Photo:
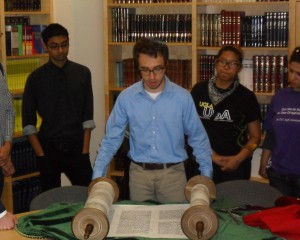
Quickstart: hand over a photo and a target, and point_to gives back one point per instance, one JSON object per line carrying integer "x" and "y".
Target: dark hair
{"x": 150, "y": 46}
{"x": 54, "y": 30}
{"x": 295, "y": 57}
{"x": 233, "y": 49}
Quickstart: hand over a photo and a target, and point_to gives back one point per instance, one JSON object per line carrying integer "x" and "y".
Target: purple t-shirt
{"x": 283, "y": 119}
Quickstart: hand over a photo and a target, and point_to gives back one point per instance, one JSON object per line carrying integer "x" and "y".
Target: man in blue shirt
{"x": 159, "y": 115}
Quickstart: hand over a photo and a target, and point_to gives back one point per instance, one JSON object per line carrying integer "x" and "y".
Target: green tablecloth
{"x": 55, "y": 222}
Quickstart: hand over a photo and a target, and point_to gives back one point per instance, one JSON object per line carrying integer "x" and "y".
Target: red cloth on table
{"x": 283, "y": 221}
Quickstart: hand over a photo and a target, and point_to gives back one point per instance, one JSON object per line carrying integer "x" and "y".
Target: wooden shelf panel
{"x": 22, "y": 177}
{"x": 27, "y": 56}
{"x": 136, "y": 5}
{"x": 283, "y": 49}
{"x": 202, "y": 3}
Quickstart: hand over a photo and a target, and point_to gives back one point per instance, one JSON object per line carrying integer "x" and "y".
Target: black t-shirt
{"x": 226, "y": 123}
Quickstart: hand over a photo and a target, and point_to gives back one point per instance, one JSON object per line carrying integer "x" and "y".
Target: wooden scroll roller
{"x": 199, "y": 221}
{"x": 92, "y": 221}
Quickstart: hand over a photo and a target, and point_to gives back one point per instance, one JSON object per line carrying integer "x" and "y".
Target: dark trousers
{"x": 288, "y": 185}
{"x": 76, "y": 166}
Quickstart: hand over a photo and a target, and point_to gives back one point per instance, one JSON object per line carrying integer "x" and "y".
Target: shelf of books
{"x": 21, "y": 52}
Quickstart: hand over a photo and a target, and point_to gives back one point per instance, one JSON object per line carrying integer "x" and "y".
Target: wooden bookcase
{"x": 114, "y": 51}
{"x": 297, "y": 20}
{"x": 43, "y": 16}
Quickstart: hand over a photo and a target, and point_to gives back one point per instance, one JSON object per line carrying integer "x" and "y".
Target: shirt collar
{"x": 54, "y": 67}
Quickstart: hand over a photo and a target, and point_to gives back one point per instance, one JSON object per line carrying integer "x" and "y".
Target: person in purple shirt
{"x": 159, "y": 115}
{"x": 280, "y": 160}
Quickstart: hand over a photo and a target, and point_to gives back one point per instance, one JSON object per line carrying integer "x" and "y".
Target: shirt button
{"x": 154, "y": 147}
{"x": 153, "y": 117}
{"x": 153, "y": 132}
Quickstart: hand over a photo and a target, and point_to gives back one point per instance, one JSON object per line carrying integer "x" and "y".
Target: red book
{"x": 28, "y": 42}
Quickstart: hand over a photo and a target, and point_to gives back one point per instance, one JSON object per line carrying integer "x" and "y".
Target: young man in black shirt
{"x": 60, "y": 91}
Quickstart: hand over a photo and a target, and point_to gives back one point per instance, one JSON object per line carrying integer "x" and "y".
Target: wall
{"x": 83, "y": 19}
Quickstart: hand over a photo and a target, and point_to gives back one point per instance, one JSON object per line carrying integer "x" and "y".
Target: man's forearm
{"x": 36, "y": 145}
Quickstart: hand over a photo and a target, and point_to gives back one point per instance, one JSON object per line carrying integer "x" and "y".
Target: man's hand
{"x": 231, "y": 163}
{"x": 226, "y": 163}
{"x": 8, "y": 221}
{"x": 4, "y": 153}
{"x": 8, "y": 169}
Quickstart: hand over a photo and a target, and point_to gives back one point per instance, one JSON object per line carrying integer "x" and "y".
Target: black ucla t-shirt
{"x": 226, "y": 123}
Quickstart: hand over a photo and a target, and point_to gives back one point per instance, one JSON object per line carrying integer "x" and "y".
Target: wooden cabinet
{"x": 297, "y": 20}
{"x": 119, "y": 50}
{"x": 41, "y": 16}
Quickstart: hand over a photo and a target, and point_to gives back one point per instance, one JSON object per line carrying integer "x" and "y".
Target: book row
{"x": 182, "y": 1}
{"x": 126, "y": 74}
{"x": 263, "y": 111}
{"x": 15, "y": 20}
{"x": 234, "y": 28}
{"x": 261, "y": 74}
{"x": 22, "y": 5}
{"x": 150, "y": 1}
{"x": 18, "y": 71}
{"x": 178, "y": 70}
{"x": 23, "y": 157}
{"x": 23, "y": 193}
{"x": 17, "y": 103}
{"x": 128, "y": 26}
{"x": 24, "y": 39}
{"x": 244, "y": 1}
{"x": 270, "y": 73}
{"x": 206, "y": 67}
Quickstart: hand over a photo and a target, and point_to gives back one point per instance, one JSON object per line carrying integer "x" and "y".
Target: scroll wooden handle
{"x": 199, "y": 229}
{"x": 88, "y": 230}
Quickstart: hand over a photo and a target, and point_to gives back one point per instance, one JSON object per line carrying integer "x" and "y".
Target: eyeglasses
{"x": 230, "y": 64}
{"x": 156, "y": 70}
{"x": 56, "y": 47}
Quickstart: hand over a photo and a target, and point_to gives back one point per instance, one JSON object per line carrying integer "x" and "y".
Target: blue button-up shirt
{"x": 157, "y": 129}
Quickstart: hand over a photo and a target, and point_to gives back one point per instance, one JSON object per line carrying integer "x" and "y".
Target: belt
{"x": 155, "y": 166}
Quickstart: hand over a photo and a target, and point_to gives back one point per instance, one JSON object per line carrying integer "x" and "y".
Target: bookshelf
{"x": 117, "y": 49}
{"x": 18, "y": 66}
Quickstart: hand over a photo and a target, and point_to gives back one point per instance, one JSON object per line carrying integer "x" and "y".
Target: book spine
{"x": 223, "y": 27}
{"x": 273, "y": 74}
{"x": 255, "y": 73}
{"x": 261, "y": 76}
{"x": 267, "y": 74}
